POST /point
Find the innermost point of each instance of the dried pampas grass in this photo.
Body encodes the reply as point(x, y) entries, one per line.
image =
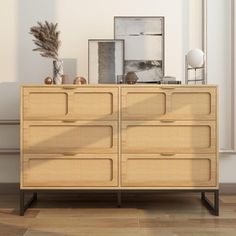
point(46, 39)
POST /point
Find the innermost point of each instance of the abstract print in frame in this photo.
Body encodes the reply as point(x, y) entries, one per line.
point(144, 45)
point(105, 60)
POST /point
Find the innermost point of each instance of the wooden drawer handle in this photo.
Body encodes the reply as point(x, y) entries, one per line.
point(68, 121)
point(167, 87)
point(167, 154)
point(66, 87)
point(68, 154)
point(167, 121)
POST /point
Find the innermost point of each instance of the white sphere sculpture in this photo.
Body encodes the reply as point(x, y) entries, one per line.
point(195, 58)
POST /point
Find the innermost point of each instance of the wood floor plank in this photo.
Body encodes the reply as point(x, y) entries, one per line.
point(11, 230)
point(31, 232)
point(88, 222)
point(228, 199)
point(88, 212)
point(189, 223)
point(179, 213)
point(85, 232)
point(188, 232)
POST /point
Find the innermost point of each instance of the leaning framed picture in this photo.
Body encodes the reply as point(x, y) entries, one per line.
point(105, 60)
point(144, 45)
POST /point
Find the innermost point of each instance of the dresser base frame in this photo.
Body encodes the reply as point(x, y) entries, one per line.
point(213, 207)
point(24, 206)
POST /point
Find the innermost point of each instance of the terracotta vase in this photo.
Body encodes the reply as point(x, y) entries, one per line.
point(80, 80)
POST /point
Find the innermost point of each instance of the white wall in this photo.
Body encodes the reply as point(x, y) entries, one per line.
point(81, 20)
point(220, 54)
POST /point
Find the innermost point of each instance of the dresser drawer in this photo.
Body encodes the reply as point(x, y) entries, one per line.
point(193, 104)
point(55, 170)
point(175, 137)
point(95, 104)
point(76, 137)
point(70, 102)
point(181, 170)
point(169, 102)
point(143, 103)
point(45, 103)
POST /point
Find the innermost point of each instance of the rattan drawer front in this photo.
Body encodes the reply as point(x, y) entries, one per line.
point(193, 104)
point(95, 104)
point(45, 103)
point(143, 103)
point(176, 137)
point(56, 170)
point(70, 103)
point(180, 170)
point(81, 137)
point(170, 102)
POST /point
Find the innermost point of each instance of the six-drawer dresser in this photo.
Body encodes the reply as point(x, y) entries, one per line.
point(119, 138)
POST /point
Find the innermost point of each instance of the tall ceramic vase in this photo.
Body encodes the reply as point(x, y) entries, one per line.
point(57, 71)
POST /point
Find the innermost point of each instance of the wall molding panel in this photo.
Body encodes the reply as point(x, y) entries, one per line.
point(7, 150)
point(220, 67)
point(232, 63)
point(204, 35)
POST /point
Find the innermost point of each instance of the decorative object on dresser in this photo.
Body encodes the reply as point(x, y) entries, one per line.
point(169, 80)
point(119, 138)
point(80, 80)
point(48, 80)
point(65, 79)
point(120, 79)
point(57, 71)
point(131, 78)
point(144, 45)
point(196, 59)
point(106, 59)
point(48, 43)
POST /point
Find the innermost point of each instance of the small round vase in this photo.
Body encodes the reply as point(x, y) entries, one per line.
point(131, 78)
point(48, 80)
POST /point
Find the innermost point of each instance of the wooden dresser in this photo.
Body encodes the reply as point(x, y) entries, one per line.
point(119, 137)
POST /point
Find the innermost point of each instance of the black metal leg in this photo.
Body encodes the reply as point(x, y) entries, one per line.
point(22, 202)
point(119, 199)
point(212, 207)
point(35, 196)
point(24, 206)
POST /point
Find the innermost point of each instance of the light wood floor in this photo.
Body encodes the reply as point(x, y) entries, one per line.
point(97, 215)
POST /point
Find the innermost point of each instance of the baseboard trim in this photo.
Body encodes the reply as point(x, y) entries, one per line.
point(11, 188)
point(228, 188)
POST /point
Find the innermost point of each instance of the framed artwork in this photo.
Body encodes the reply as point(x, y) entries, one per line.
point(105, 60)
point(144, 45)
